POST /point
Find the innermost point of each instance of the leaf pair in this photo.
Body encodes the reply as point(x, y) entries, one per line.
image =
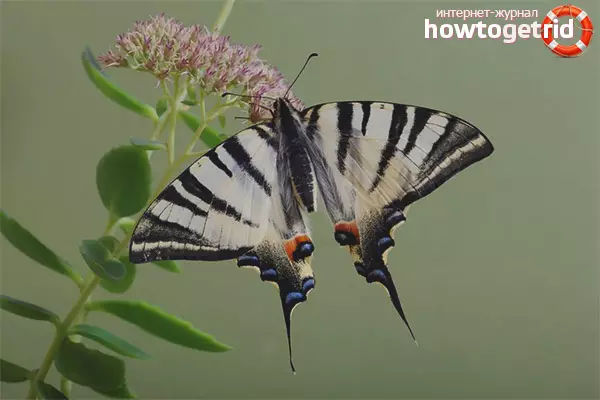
point(101, 261)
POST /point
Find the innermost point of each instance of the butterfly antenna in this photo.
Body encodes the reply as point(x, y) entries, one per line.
point(252, 97)
point(300, 73)
point(247, 96)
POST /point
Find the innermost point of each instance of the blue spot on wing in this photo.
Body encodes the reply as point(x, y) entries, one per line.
point(377, 275)
point(306, 248)
point(294, 297)
point(385, 243)
point(270, 273)
point(248, 260)
point(395, 218)
point(308, 285)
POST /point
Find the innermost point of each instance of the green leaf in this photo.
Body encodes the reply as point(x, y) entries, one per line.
point(89, 367)
point(124, 179)
point(125, 283)
point(161, 106)
point(158, 323)
point(121, 393)
point(209, 136)
point(29, 245)
point(146, 144)
point(112, 91)
point(28, 310)
point(47, 391)
point(222, 121)
point(12, 373)
point(189, 102)
point(168, 265)
point(101, 261)
point(127, 225)
point(108, 340)
point(192, 121)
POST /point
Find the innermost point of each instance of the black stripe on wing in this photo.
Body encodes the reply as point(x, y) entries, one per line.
point(194, 187)
point(182, 243)
point(366, 112)
point(271, 140)
point(214, 157)
point(344, 124)
point(186, 220)
point(397, 124)
point(311, 128)
point(241, 156)
point(420, 121)
point(460, 146)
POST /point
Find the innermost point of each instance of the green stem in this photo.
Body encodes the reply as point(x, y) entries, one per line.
point(65, 386)
point(203, 125)
point(61, 332)
point(173, 118)
point(223, 15)
point(159, 126)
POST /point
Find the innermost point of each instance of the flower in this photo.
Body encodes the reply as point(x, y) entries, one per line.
point(166, 48)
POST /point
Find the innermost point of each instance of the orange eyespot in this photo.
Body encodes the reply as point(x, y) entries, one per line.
point(346, 233)
point(298, 247)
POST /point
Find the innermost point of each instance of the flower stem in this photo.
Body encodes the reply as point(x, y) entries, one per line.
point(223, 15)
point(173, 118)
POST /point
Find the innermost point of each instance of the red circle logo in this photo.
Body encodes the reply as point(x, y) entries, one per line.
point(587, 30)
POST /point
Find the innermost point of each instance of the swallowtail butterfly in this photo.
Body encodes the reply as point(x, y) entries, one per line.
point(249, 197)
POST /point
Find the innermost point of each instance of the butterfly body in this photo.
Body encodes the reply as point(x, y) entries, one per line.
point(249, 198)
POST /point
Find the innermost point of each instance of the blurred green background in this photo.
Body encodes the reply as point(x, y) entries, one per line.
point(498, 269)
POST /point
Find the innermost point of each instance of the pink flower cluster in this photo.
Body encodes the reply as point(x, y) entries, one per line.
point(165, 47)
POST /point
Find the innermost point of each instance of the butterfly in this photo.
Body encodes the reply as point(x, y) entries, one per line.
point(249, 197)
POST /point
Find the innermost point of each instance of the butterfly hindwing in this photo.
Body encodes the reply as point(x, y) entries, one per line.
point(217, 208)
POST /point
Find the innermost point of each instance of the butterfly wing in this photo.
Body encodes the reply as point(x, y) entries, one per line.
point(236, 201)
point(217, 208)
point(283, 257)
point(373, 160)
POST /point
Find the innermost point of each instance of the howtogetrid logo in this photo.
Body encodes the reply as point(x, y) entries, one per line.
point(550, 31)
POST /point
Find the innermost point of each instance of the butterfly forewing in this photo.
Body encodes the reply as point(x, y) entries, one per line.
point(393, 152)
point(216, 209)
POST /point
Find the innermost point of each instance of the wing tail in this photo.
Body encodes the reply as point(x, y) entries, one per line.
point(369, 239)
point(285, 264)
